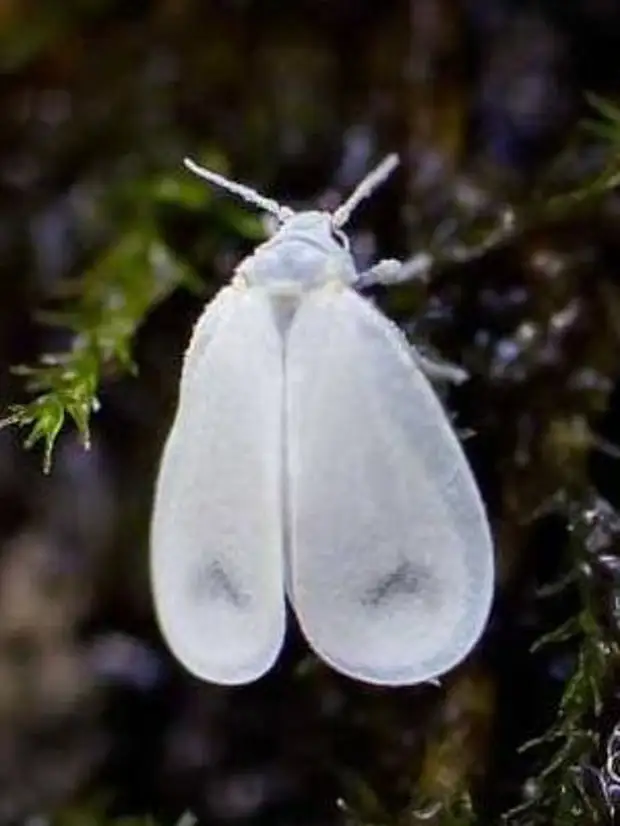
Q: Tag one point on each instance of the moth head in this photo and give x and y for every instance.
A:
(313, 228)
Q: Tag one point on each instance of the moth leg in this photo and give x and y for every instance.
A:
(392, 271)
(443, 373)
(439, 370)
(419, 266)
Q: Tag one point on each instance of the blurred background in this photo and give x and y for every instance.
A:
(104, 234)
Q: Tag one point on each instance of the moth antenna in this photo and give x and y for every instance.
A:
(248, 194)
(365, 188)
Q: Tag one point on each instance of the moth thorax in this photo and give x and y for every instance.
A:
(284, 306)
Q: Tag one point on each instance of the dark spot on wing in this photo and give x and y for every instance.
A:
(404, 580)
(213, 582)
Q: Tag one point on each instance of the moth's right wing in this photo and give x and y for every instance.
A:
(391, 559)
(216, 533)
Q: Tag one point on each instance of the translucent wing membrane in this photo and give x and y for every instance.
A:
(216, 538)
(391, 567)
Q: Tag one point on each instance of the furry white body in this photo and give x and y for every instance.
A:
(310, 456)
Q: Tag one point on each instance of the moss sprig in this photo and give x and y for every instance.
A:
(557, 795)
(103, 309)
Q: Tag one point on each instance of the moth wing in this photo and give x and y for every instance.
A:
(391, 560)
(216, 533)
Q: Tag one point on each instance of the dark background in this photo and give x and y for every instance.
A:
(99, 102)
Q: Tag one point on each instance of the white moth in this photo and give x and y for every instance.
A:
(310, 457)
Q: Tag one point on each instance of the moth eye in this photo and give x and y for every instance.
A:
(340, 238)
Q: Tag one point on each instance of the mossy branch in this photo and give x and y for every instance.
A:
(138, 272)
(103, 309)
(557, 796)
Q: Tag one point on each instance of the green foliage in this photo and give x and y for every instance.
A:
(103, 309)
(135, 274)
(606, 127)
(369, 812)
(557, 795)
